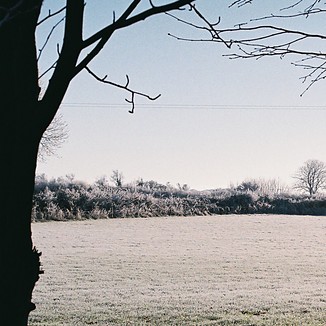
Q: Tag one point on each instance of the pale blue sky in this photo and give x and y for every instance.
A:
(218, 120)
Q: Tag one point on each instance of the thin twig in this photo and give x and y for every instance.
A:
(48, 37)
(50, 15)
(125, 87)
(47, 70)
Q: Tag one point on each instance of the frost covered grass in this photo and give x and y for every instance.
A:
(212, 270)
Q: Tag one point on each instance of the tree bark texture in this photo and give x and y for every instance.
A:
(19, 91)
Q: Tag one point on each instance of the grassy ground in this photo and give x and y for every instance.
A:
(214, 270)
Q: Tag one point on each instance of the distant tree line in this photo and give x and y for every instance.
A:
(67, 199)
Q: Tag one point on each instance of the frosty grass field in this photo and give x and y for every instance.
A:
(212, 270)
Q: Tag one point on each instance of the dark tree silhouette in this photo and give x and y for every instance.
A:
(26, 116)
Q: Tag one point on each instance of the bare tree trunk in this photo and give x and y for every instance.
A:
(19, 261)
(19, 139)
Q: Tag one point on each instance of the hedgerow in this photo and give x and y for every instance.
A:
(66, 199)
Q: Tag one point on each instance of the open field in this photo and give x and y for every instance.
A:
(212, 270)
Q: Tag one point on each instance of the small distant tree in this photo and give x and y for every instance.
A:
(311, 177)
(140, 183)
(53, 138)
(117, 178)
(250, 185)
(183, 187)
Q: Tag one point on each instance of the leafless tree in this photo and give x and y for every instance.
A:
(311, 177)
(117, 178)
(271, 36)
(26, 116)
(183, 187)
(53, 138)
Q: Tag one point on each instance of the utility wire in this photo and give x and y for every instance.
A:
(198, 106)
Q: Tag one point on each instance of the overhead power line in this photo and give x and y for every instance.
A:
(198, 106)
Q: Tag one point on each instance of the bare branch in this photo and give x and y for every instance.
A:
(296, 15)
(151, 3)
(310, 7)
(187, 22)
(185, 39)
(66, 63)
(50, 15)
(208, 27)
(48, 37)
(240, 3)
(260, 40)
(129, 10)
(125, 87)
(317, 71)
(104, 35)
(124, 22)
(53, 66)
(292, 5)
(292, 42)
(202, 17)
